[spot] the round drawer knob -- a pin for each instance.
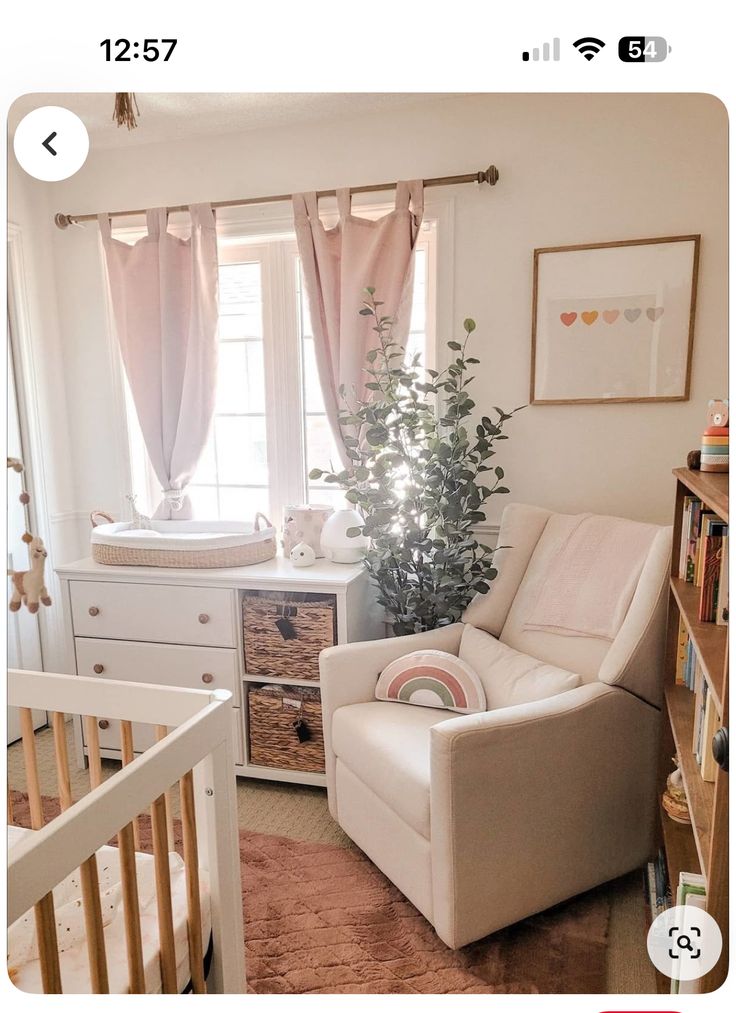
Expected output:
(104, 723)
(720, 748)
(99, 669)
(203, 618)
(208, 677)
(93, 610)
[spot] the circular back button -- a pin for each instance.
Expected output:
(51, 143)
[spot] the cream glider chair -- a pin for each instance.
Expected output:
(485, 819)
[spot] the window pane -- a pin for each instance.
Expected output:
(206, 473)
(419, 294)
(335, 498)
(313, 400)
(240, 295)
(242, 504)
(321, 449)
(204, 502)
(240, 380)
(241, 451)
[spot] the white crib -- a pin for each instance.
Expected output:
(194, 748)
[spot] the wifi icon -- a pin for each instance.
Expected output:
(589, 47)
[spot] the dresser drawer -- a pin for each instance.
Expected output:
(162, 664)
(161, 613)
(144, 736)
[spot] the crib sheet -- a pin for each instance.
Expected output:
(23, 964)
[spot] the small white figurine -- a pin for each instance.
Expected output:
(302, 555)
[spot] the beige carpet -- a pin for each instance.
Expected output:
(301, 814)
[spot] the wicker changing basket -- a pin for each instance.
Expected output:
(181, 544)
(273, 740)
(283, 633)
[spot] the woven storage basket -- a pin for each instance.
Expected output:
(283, 633)
(272, 739)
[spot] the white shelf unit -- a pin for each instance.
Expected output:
(184, 627)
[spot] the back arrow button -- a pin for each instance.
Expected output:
(47, 143)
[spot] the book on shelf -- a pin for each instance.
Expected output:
(691, 526)
(703, 558)
(710, 724)
(722, 594)
(690, 893)
(657, 887)
(711, 540)
(682, 644)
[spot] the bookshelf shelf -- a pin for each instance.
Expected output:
(701, 847)
(680, 850)
(699, 793)
(708, 639)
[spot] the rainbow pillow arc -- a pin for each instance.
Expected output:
(432, 679)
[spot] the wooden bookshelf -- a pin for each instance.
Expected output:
(703, 845)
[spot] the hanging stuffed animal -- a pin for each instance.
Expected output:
(28, 585)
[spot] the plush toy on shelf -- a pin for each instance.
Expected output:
(28, 585)
(714, 447)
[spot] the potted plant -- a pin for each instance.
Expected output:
(419, 476)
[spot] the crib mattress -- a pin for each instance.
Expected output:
(23, 963)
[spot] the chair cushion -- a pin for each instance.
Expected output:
(387, 747)
(508, 676)
(432, 679)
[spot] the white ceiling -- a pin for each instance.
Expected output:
(168, 116)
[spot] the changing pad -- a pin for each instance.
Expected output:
(23, 964)
(184, 543)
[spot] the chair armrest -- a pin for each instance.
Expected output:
(349, 672)
(533, 803)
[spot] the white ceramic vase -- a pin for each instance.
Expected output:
(337, 544)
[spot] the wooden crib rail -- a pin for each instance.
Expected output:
(198, 753)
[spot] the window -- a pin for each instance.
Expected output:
(270, 428)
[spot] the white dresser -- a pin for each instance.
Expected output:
(179, 627)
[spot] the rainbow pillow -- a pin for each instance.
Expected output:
(432, 679)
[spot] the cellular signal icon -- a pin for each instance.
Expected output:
(554, 47)
(589, 47)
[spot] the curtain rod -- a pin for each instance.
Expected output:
(489, 175)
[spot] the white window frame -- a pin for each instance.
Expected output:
(256, 230)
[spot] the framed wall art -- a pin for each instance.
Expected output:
(613, 322)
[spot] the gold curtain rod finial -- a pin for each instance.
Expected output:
(62, 221)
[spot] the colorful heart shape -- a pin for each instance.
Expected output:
(568, 318)
(655, 312)
(611, 316)
(632, 315)
(589, 317)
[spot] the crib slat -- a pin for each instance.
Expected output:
(93, 926)
(62, 760)
(161, 732)
(48, 947)
(31, 763)
(44, 912)
(163, 896)
(131, 911)
(92, 736)
(128, 755)
(191, 861)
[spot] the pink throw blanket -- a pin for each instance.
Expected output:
(591, 579)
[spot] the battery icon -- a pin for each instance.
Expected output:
(643, 49)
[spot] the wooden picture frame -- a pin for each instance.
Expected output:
(636, 301)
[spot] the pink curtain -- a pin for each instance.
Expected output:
(164, 300)
(338, 264)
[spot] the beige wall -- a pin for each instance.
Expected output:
(574, 168)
